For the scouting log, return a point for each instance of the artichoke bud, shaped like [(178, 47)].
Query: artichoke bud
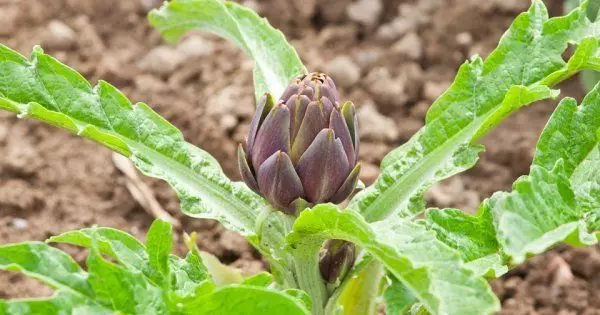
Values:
[(303, 149), (336, 259)]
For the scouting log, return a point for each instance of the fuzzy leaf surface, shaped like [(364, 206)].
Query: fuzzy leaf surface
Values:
[(430, 270), (45, 89), (275, 61), (527, 61)]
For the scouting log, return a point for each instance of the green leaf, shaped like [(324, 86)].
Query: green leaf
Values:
[(187, 274), (261, 279), (527, 61), (549, 206), (432, 271), (557, 202), (474, 236), (398, 299), (42, 88), (47, 264), (159, 243), (119, 245), (124, 290), (275, 61), (62, 302), (360, 291), (243, 299)]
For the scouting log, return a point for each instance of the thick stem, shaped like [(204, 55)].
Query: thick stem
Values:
[(309, 278)]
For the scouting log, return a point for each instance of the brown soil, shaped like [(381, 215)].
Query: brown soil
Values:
[(51, 181)]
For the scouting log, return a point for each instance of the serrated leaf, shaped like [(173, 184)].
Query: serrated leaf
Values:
[(275, 61), (243, 299), (550, 205), (431, 270), (47, 264), (119, 245), (42, 88), (490, 266), (125, 290), (557, 202), (473, 236), (159, 243), (61, 303), (187, 274), (526, 62)]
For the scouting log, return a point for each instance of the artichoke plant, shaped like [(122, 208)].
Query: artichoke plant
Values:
[(303, 149)]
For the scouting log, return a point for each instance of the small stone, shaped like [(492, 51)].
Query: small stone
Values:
[(252, 5), (234, 242), (394, 29), (228, 122), (375, 126), (161, 60), (365, 12), (368, 173), (368, 57), (60, 36), (148, 5), (464, 39), (344, 71), (195, 46), (20, 224), (409, 46), (10, 19), (333, 11), (388, 91), (432, 90)]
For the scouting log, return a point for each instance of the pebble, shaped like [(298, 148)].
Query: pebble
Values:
[(60, 36), (195, 46), (375, 126), (161, 60), (344, 71), (432, 90), (20, 224), (387, 90), (464, 39), (365, 12), (368, 57), (410, 46), (368, 173)]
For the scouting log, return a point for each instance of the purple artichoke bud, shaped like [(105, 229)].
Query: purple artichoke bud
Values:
[(337, 258), (303, 149)]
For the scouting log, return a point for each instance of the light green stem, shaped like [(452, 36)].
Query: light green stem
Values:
[(309, 278)]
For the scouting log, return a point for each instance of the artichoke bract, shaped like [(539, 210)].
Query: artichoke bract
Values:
[(303, 149)]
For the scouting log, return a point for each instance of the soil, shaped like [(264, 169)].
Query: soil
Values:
[(52, 182)]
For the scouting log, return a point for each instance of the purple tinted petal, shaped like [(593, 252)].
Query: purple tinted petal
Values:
[(348, 186), (273, 135), (265, 104), (314, 121), (245, 170), (349, 113), (338, 124), (278, 181), (289, 91), (323, 168), (308, 91), (328, 106), (297, 105)]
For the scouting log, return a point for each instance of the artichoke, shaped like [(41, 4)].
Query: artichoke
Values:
[(336, 259), (302, 150)]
